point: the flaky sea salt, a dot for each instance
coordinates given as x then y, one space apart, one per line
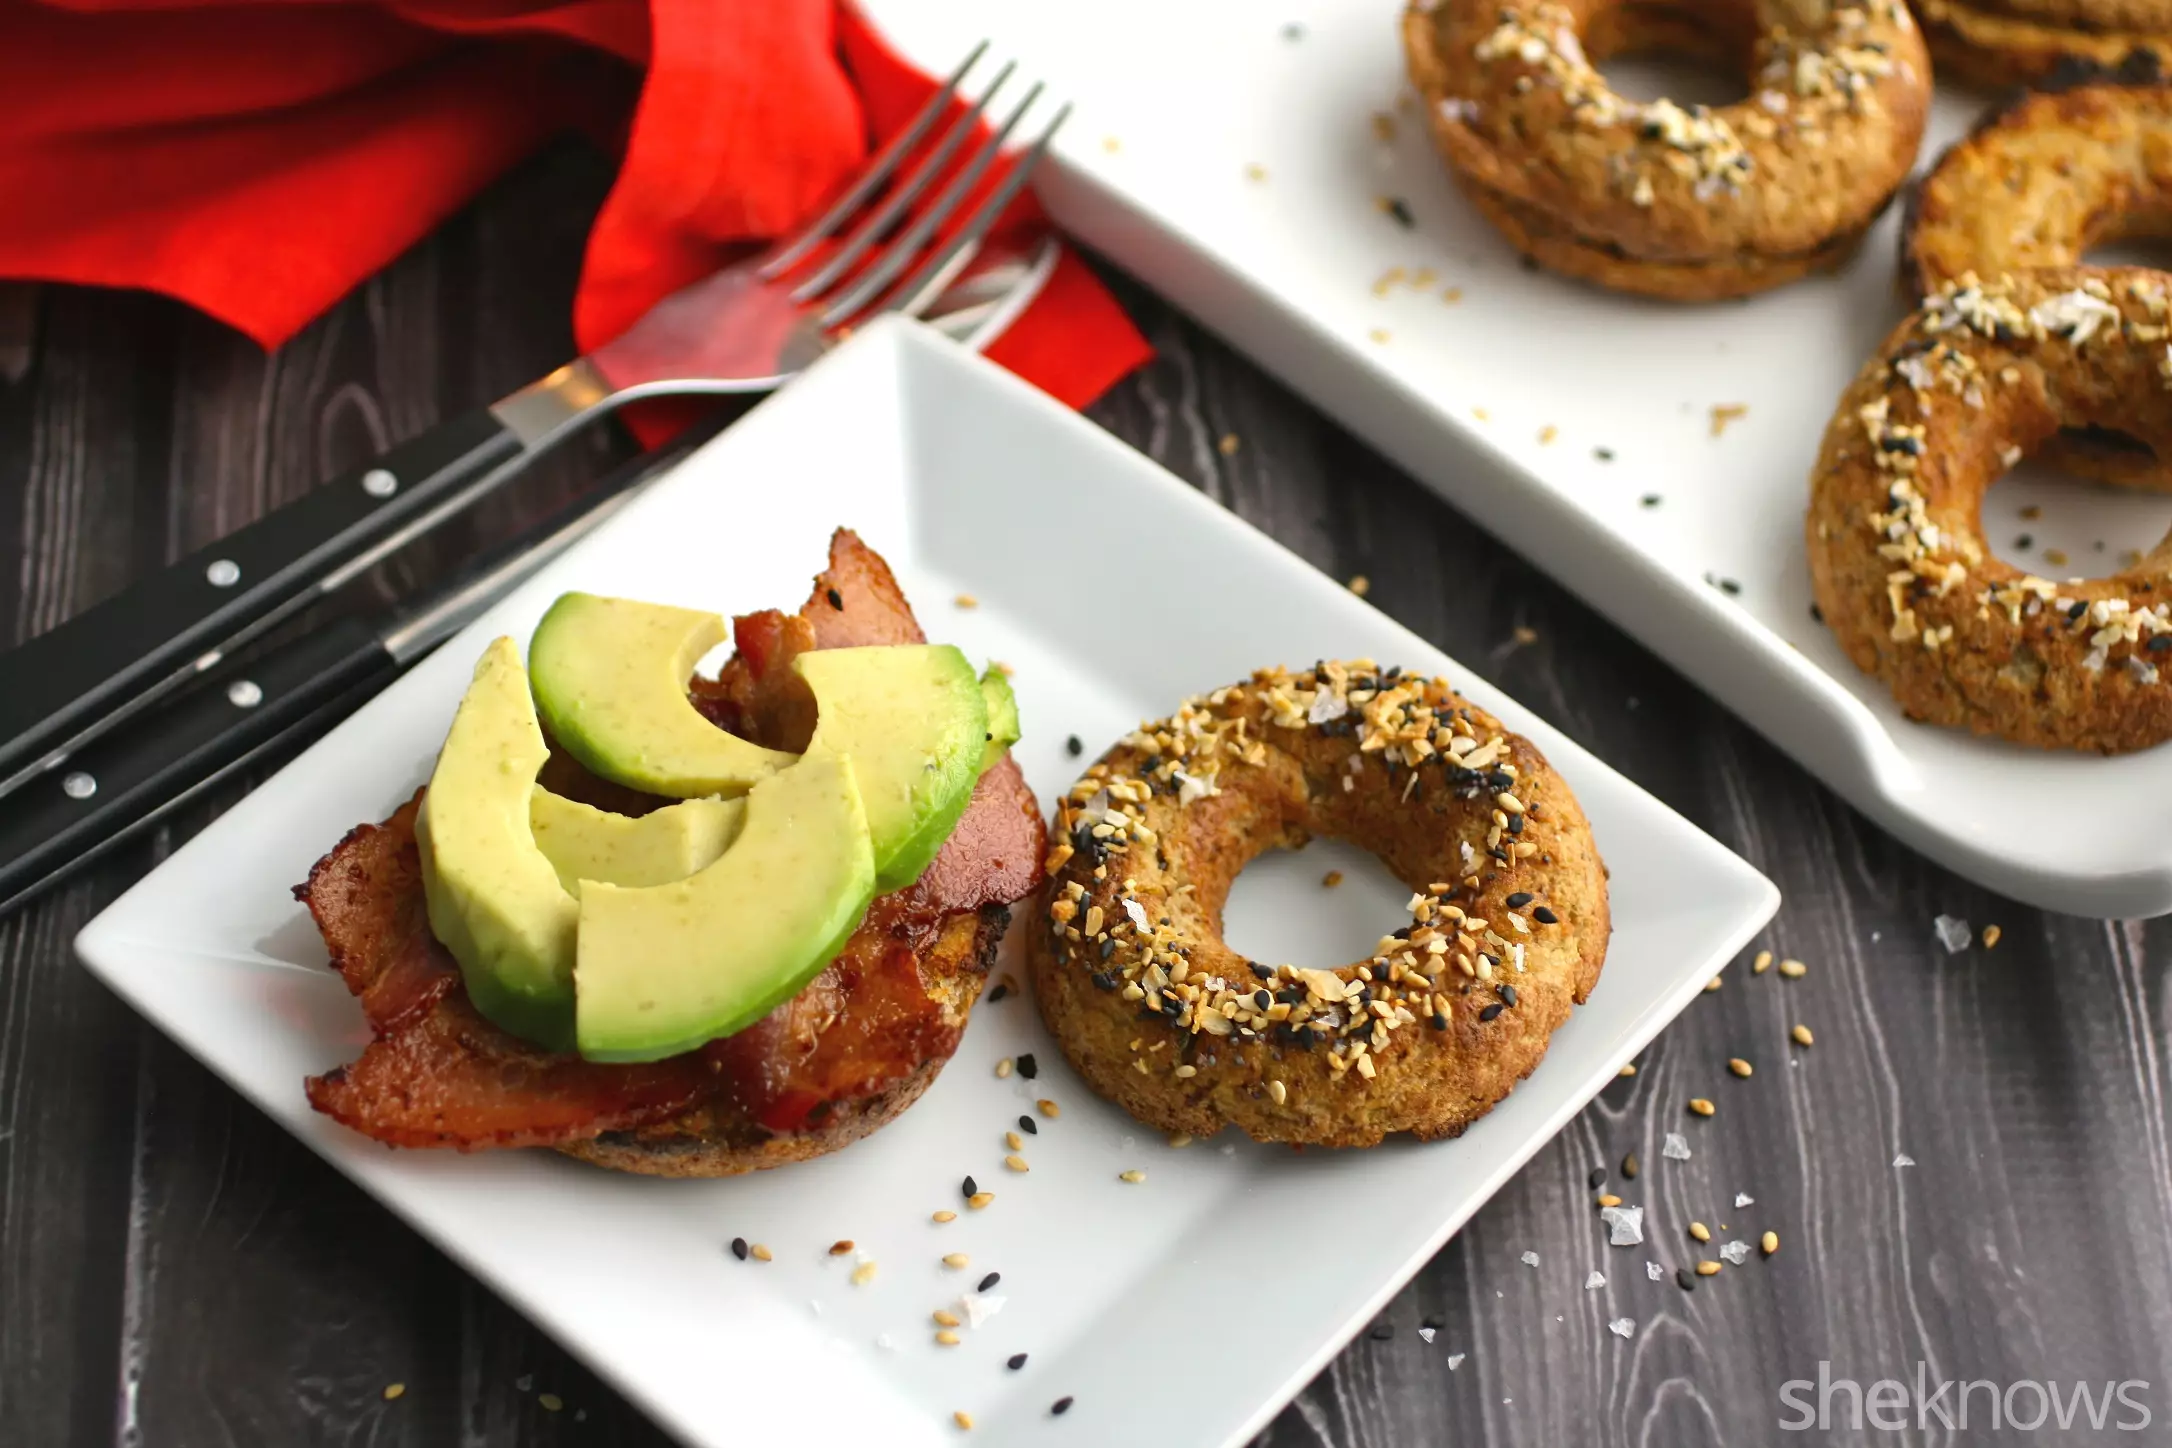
1137 912
1655 1272
1455 1360
1676 1147
1623 1327
1595 1281
1952 933
1904 1159
1736 1253
1425 1334
1327 706
1529 1259
1624 1225
976 1308
1744 1199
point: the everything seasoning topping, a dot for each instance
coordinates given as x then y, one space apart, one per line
1929 561
1426 973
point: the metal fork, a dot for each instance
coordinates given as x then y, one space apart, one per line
746 328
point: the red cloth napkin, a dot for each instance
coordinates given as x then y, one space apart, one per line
257 160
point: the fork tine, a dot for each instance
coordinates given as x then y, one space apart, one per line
878 171
934 276
900 253
885 216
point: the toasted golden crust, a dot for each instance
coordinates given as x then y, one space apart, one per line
1995 45
1161 1016
1689 203
1977 376
711 1142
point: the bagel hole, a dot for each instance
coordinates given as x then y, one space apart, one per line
2059 525
1664 52
1279 912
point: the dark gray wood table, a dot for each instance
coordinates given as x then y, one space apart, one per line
175 1270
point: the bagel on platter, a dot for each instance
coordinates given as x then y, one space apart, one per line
1508 923
2022 42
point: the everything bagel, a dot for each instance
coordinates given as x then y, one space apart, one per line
1508 920
1688 203
1979 376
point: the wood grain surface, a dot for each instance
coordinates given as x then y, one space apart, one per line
175 1270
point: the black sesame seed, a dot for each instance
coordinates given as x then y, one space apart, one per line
1490 1011
1650 500
969 1188
1025 1124
1597 1179
1440 1021
739 1248
1686 1280
1108 948
1105 979
2159 644
1261 999
1267 972
1061 1406
1293 31
1515 824
1603 454
1544 915
2074 614
1400 210
998 993
1518 900
989 1281
2026 540
1028 1067
1508 994
837 600
1018 1360
1074 746
1817 615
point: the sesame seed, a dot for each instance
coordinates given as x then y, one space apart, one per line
1596 1179
863 1274
1017 1361
1543 915
739 1248
1254 171
966 600
1700 1231
1014 1141
1134 1176
1627 1071
1991 933
836 600
1609 1200
1708 1269
1179 1141
963 1419
1016 1162
946 1215
394 1390
989 1281
1739 1066
947 1338
841 1246
1074 746
955 1260
550 1402
1359 584
1726 412
1762 964
1650 500
1712 985
1048 1108
1490 1011
979 1200
1802 1036
760 1253
1061 1406
1334 877
1701 1106
1003 1068
1278 1091
1026 1124
944 1317
1603 454
1228 445
1630 1166
1770 1242
968 1187
1794 969
1028 1067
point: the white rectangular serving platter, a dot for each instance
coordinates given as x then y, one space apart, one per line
1228 153
969 481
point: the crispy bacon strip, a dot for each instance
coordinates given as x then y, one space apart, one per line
439 1074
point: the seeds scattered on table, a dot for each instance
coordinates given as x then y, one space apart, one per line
863 1274
1740 1067
1762 963
963 1419
1547 434
739 1248
1134 1176
1726 412
841 1246
1074 746
1048 1108
1179 1141
956 1260
947 1338
946 1215
944 1317
1609 1200
1991 934
1028 1067
968 1188
1359 584
1061 1406
1770 1242
1228 446
550 1402
1713 984
989 1281
1596 1179
1794 969
1701 1107
1334 877
1014 1141
1802 1036
1700 1231
1630 1166
394 1390
979 1200
1017 1361
966 600
1683 1280
1003 1068
1255 172
1708 1269
759 1252
1016 1162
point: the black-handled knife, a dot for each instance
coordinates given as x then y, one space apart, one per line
247 709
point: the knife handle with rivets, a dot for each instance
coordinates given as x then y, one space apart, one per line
65 687
133 775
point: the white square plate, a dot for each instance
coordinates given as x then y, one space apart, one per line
1225 151
968 481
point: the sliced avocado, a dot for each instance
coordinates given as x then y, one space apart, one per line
911 719
653 849
664 969
610 682
493 898
995 691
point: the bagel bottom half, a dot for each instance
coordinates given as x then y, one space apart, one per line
1508 924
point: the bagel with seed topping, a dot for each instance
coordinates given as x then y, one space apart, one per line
1508 923
1982 374
1688 203
2023 42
